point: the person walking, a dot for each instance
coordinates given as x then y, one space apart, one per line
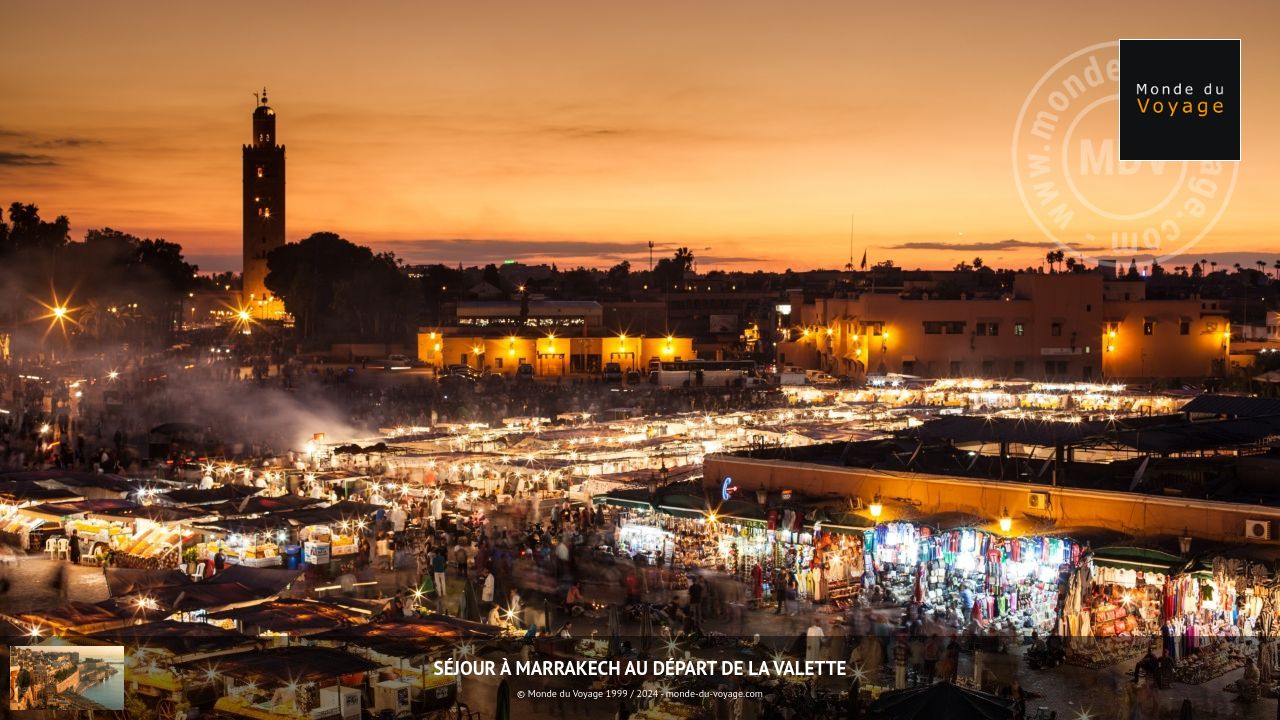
439 564
73 548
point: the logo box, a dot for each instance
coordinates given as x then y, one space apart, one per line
1180 99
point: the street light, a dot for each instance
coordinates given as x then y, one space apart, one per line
876 507
1006 522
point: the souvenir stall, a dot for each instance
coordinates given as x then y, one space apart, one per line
1208 609
648 535
1014 579
1112 607
1122 599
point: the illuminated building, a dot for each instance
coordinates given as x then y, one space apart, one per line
264 210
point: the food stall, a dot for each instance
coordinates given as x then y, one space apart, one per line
24 531
153 650
405 649
252 542
158 535
288 683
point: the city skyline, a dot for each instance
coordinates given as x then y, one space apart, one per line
574 133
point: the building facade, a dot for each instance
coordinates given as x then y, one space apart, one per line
264 210
555 337
1068 327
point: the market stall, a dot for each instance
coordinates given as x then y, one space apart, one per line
969 574
405 649
292 682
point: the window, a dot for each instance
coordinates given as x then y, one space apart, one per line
1087 373
908 367
1019 329
1019 368
1148 328
988 368
987 329
1088 307
1056 329
943 327
259 171
955 368
1184 327
497 362
462 359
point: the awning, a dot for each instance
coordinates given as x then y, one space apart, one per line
1141 559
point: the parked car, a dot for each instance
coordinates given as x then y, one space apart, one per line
463 371
524 373
612 372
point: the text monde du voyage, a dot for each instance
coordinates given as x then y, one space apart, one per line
1179 99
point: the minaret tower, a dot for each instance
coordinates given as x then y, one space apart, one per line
263 210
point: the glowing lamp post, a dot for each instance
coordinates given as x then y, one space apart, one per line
1006 522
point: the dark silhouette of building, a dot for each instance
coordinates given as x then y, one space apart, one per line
263 209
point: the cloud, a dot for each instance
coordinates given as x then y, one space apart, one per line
979 246
586 132
493 250
17 159
67 142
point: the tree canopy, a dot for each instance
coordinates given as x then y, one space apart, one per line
335 288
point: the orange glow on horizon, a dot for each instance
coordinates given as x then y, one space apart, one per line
577 133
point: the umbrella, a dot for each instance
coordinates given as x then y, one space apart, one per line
503 711
614 643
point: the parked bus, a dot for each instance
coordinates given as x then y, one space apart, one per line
705 373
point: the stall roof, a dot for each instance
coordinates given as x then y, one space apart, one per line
257 504
337 512
235 586
284 665
179 638
18 491
73 479
1183 437
291 616
156 513
197 496
409 637
1022 431
129 581
73 616
79 507
1237 406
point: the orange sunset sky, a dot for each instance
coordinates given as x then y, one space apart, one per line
577 132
